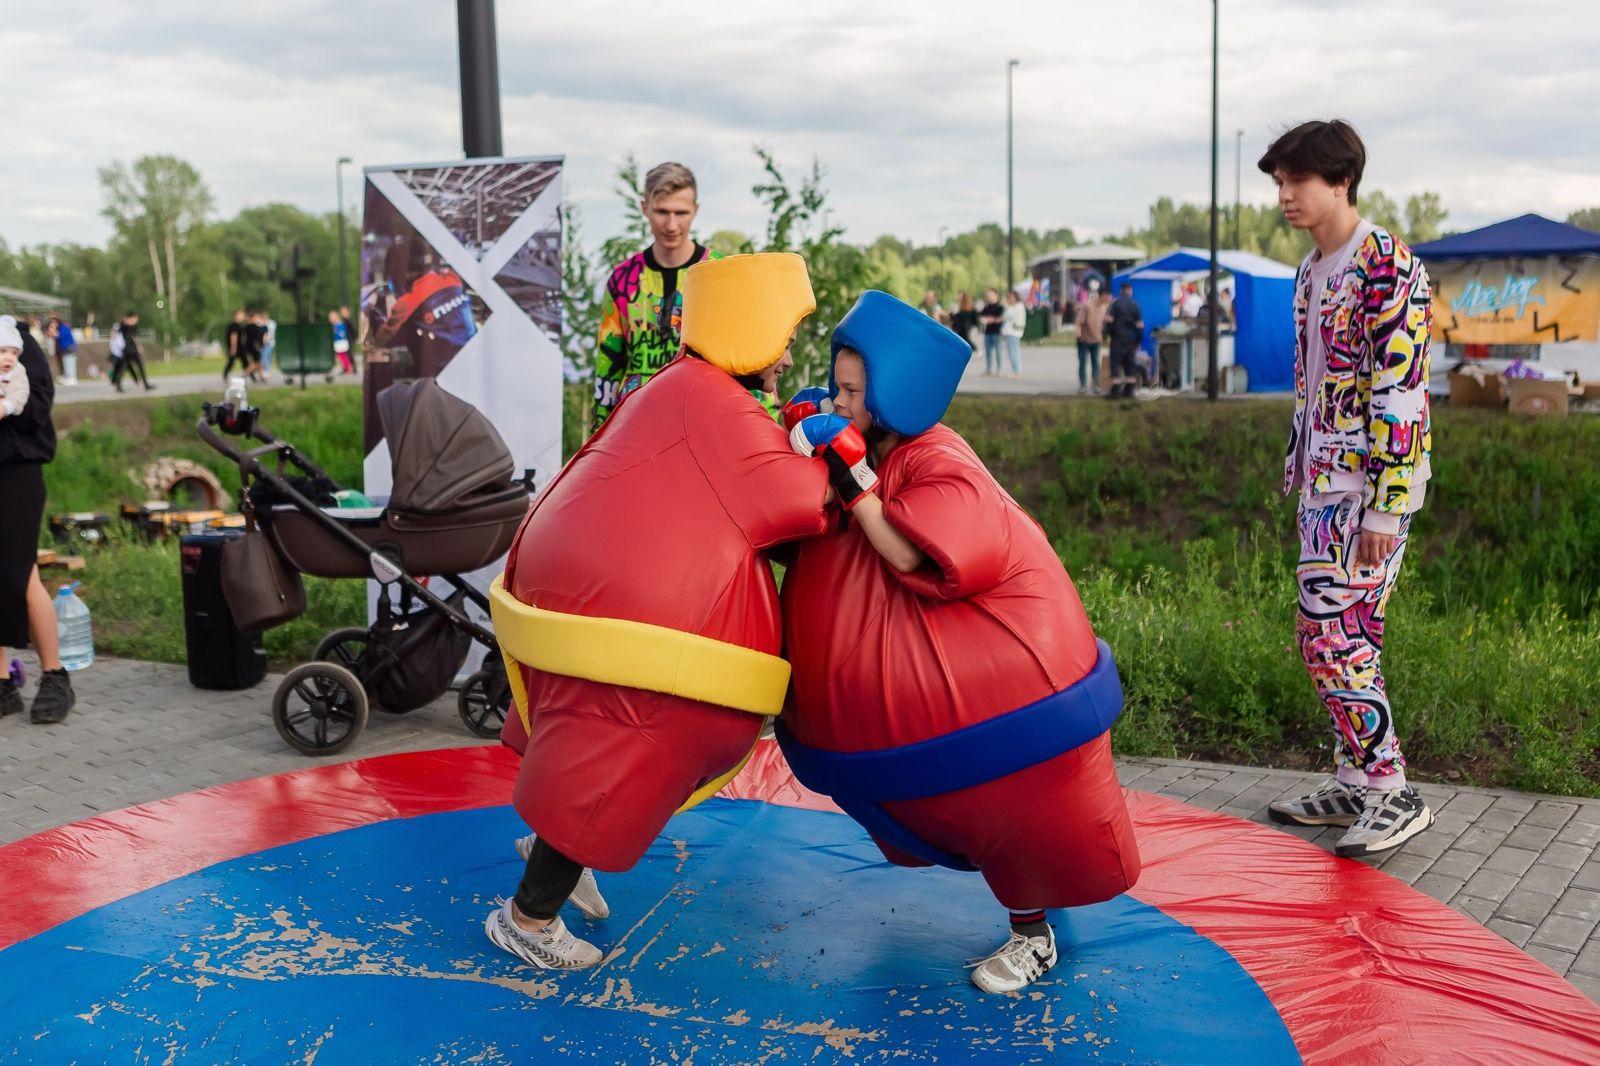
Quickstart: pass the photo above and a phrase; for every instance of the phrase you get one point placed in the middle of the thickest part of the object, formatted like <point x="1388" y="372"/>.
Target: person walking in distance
<point x="1359" y="461"/>
<point x="1124" y="324"/>
<point x="233" y="345"/>
<point x="1013" y="323"/>
<point x="131" y="363"/>
<point x="990" y="317"/>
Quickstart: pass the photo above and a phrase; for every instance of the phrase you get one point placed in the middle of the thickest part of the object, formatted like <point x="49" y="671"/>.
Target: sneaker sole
<point x="1285" y="818"/>
<point x="1356" y="851"/>
<point x="491" y="928"/>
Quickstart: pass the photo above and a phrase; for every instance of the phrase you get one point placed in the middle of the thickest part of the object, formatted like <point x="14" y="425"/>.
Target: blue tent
<point x="1263" y="307"/>
<point x="1525" y="235"/>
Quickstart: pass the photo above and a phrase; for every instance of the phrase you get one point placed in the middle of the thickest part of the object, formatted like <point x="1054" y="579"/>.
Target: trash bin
<point x="220" y="656"/>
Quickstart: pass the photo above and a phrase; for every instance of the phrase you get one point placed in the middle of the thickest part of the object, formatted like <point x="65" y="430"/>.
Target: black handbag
<point x="261" y="589"/>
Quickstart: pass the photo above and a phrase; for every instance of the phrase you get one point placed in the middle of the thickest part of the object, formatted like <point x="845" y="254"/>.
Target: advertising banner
<point x="1516" y="301"/>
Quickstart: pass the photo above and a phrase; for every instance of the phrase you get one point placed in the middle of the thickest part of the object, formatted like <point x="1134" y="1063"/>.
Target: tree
<point x="839" y="271"/>
<point x="1425" y="216"/>
<point x="156" y="202"/>
<point x="1585" y="218"/>
<point x="581" y="295"/>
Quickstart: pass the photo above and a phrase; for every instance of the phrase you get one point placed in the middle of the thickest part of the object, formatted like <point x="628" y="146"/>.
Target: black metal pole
<point x="1211" y="297"/>
<point x="1011" y="278"/>
<point x="480" y="78"/>
<point x="1238" y="167"/>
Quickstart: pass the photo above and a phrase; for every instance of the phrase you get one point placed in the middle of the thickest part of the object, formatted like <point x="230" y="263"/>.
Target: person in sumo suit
<point x="638" y="613"/>
<point x="948" y="693"/>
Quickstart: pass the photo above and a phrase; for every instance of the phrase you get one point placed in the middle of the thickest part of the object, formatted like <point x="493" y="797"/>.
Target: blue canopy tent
<point x="1525" y="235"/>
<point x="1263" y="307"/>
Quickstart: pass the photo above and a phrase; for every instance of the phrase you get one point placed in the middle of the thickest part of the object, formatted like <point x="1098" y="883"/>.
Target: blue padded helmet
<point x="913" y="363"/>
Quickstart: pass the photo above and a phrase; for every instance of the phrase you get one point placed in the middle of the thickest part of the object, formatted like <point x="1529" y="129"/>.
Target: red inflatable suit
<point x="661" y="518"/>
<point x="990" y="623"/>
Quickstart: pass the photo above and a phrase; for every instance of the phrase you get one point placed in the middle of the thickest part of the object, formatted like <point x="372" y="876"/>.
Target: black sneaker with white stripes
<point x="1335" y="803"/>
<point x="1390" y="818"/>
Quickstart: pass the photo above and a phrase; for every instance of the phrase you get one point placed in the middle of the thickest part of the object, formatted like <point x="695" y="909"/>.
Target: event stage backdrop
<point x="1516" y="301"/>
<point x="461" y="281"/>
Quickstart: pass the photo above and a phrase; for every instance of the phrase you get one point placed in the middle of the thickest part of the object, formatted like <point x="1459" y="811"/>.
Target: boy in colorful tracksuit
<point x="1359" y="458"/>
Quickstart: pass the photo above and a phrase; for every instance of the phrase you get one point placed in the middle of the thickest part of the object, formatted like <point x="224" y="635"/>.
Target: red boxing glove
<point x="805" y="403"/>
<point x="836" y="440"/>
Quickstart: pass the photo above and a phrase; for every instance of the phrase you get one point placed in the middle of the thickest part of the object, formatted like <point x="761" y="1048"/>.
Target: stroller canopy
<point x="445" y="454"/>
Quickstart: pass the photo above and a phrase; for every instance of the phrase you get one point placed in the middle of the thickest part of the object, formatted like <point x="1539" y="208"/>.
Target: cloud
<point x="903" y="102"/>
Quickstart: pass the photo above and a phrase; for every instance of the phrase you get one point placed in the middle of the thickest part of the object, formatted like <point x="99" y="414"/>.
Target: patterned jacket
<point x="1368" y="427"/>
<point x="639" y="326"/>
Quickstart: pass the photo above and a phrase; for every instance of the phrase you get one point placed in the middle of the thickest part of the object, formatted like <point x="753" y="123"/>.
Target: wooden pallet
<point x="49" y="558"/>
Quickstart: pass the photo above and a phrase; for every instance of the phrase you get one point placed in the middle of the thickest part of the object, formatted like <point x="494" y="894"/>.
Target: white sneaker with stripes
<point x="1018" y="963"/>
<point x="1335" y="803"/>
<point x="1390" y="818"/>
<point x="551" y="948"/>
<point x="586" y="897"/>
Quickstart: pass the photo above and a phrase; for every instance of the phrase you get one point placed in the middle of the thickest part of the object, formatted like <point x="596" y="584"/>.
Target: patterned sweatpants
<point x="1340" y="632"/>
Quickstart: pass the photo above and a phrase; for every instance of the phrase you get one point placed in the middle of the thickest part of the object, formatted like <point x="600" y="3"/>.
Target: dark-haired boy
<point x="1358" y="456"/>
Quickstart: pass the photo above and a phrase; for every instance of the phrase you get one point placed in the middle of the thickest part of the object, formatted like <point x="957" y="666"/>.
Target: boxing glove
<point x="804" y="404"/>
<point x="836" y="441"/>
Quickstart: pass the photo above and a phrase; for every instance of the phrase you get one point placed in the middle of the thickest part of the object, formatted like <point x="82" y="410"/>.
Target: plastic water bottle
<point x="237" y="396"/>
<point x="72" y="626"/>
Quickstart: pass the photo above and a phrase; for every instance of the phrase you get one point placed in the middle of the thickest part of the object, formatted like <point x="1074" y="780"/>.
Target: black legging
<point x="547" y="881"/>
<point x="22" y="490"/>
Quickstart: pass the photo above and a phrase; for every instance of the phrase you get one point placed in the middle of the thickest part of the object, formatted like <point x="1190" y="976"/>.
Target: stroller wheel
<point x="345" y="647"/>
<point x="485" y="698"/>
<point x="319" y="708"/>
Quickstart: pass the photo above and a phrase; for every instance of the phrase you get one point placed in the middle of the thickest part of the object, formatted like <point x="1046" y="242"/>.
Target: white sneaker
<point x="1019" y="963"/>
<point x="1333" y="803"/>
<point x="1389" y="818"/>
<point x="586" y="897"/>
<point x="551" y="948"/>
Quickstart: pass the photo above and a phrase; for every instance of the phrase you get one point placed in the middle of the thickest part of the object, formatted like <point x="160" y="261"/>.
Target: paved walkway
<point x="88" y="390"/>
<point x="1527" y="866"/>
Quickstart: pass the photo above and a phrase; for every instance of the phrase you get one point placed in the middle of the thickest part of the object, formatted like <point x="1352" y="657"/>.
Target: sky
<point x="1493" y="105"/>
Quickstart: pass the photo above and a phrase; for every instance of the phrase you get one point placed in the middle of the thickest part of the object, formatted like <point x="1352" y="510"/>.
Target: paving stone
<point x="1516" y="932"/>
<point x="1470" y="804"/>
<point x="1588" y="960"/>
<point x="1511" y="801"/>
<point x="1527" y="906"/>
<point x="1588" y="984"/>
<point x="1462" y="864"/>
<point x="1564" y="932"/>
<point x="1579" y="903"/>
<point x="1542" y="877"/>
<point x="1406" y="866"/>
<point x="1509" y="860"/>
<point x="1474" y="907"/>
<point x="1498" y="817"/>
<point x="1583" y="834"/>
<point x="1567" y="856"/>
<point x="1489" y="884"/>
<point x="1481" y="840"/>
<point x="1558" y="960"/>
<point x="1550" y="813"/>
<point x="1588" y="876"/>
<point x="1439" y="887"/>
<point x="1534" y="837"/>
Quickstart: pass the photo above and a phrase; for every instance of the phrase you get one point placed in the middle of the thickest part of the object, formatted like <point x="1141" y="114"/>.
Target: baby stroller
<point x="455" y="508"/>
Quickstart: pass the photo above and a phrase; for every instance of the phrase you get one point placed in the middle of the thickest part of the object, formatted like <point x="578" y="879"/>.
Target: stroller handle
<point x="216" y="415"/>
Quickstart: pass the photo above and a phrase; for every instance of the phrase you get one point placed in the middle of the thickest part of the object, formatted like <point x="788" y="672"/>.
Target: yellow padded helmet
<point x="739" y="312"/>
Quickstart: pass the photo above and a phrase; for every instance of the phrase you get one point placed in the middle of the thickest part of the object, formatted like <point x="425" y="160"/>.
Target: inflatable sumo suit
<point x="638" y="613"/>
<point x="959" y="712"/>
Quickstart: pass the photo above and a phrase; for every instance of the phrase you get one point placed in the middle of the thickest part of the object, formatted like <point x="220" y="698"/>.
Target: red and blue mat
<point x="335" y="914"/>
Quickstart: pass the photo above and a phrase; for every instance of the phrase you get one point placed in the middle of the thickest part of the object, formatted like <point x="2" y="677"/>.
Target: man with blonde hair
<point x="643" y="311"/>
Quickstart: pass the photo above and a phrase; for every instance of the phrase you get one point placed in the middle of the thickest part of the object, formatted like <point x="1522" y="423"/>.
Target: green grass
<point x="194" y="364"/>
<point x="1169" y="517"/>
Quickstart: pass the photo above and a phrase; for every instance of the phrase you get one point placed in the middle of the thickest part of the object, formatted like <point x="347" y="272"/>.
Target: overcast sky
<point x="1495" y="105"/>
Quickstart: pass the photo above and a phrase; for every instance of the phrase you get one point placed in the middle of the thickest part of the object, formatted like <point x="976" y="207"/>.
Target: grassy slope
<point x="1168" y="516"/>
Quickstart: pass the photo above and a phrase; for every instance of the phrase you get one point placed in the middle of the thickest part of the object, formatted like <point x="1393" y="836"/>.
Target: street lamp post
<point x="1212" y="332"/>
<point x="480" y="78"/>
<point x="338" y="179"/>
<point x="1011" y="65"/>
<point x="1238" y="168"/>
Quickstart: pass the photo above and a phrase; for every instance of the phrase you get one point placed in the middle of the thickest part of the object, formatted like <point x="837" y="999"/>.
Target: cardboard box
<point x="1532" y="396"/>
<point x="1591" y="391"/>
<point x="1476" y="389"/>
